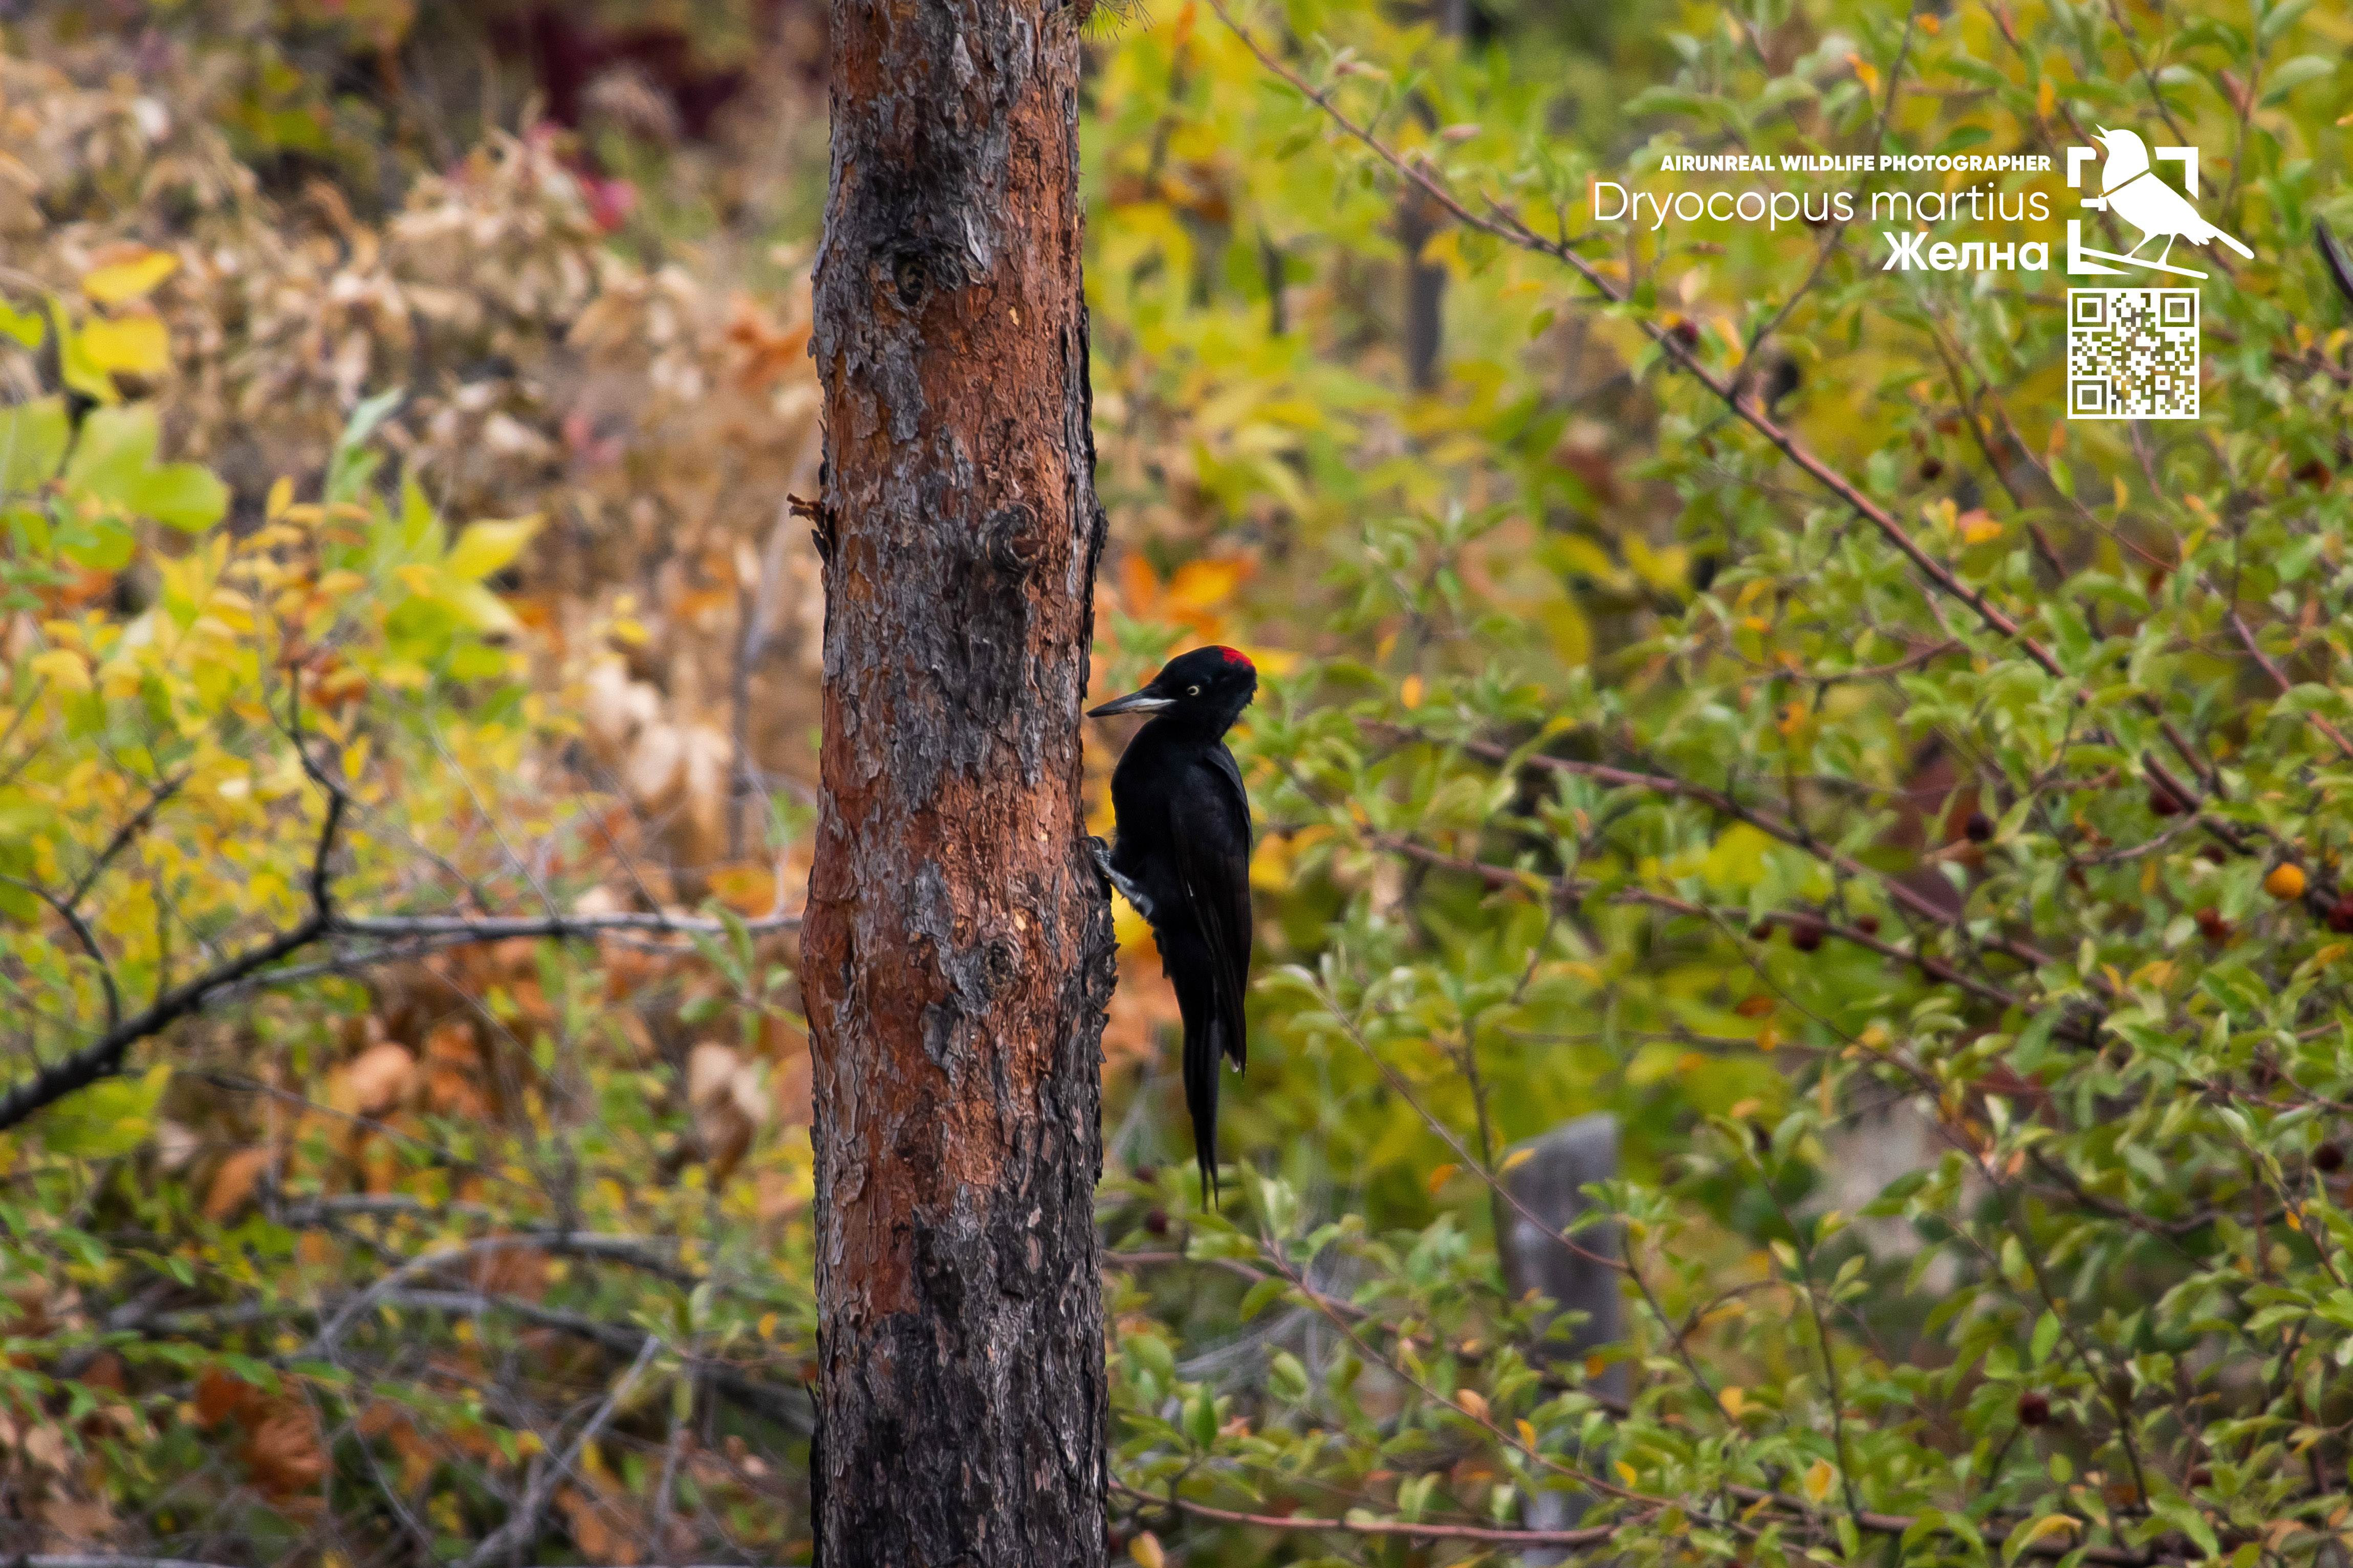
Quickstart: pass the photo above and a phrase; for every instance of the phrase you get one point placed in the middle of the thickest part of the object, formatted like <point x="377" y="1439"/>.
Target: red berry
<point x="1805" y="934"/>
<point x="2328" y="1159"/>
<point x="1979" y="827"/>
<point x="2033" y="1408"/>
<point x="1867" y="924"/>
<point x="1156" y="1222"/>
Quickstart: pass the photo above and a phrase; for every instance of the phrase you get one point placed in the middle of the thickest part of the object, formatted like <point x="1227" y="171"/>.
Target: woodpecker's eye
<point x="1192" y="691"/>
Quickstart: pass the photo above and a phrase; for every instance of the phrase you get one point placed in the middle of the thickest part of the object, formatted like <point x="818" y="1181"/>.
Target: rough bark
<point x="957" y="953"/>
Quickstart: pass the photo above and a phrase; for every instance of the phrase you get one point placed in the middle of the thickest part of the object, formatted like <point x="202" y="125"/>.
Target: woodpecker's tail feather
<point x="1201" y="1100"/>
<point x="1214" y="1027"/>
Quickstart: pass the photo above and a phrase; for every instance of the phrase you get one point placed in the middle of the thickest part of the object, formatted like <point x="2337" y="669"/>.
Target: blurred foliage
<point x="1969" y="997"/>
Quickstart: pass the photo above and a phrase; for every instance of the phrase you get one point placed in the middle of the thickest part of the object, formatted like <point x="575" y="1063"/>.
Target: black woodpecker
<point x="1183" y="860"/>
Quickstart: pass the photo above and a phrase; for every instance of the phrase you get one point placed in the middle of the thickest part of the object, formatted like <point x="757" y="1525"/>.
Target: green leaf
<point x="114" y="461"/>
<point x="2289" y="74"/>
<point x="185" y="496"/>
<point x="116" y="446"/>
<point x="1201" y="1419"/>
<point x="33" y="440"/>
<point x="111" y="1117"/>
<point x="1286" y="1379"/>
<point x="2046" y="1334"/>
<point x="352" y="465"/>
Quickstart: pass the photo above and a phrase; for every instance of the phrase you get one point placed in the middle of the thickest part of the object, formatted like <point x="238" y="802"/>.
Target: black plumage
<point x="1183" y="859"/>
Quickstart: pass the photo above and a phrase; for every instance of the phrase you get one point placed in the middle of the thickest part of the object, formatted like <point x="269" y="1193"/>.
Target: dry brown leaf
<point x="284" y="1455"/>
<point x="588" y="1520"/>
<point x="517" y="1271"/>
<point x="381" y="1079"/>
<point x="221" y="1396"/>
<point x="234" y="1182"/>
<point x="709" y="1067"/>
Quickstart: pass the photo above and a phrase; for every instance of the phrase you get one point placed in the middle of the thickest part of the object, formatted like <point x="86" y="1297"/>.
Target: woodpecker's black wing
<point x="1206" y="943"/>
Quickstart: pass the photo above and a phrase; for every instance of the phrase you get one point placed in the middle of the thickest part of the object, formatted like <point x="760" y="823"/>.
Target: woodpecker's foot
<point x="1127" y="889"/>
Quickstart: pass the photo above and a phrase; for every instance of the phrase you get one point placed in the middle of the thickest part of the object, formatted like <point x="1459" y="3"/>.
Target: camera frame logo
<point x="2132" y="353"/>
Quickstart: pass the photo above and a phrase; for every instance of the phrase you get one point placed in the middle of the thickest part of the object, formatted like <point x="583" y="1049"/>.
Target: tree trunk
<point x="958" y="952"/>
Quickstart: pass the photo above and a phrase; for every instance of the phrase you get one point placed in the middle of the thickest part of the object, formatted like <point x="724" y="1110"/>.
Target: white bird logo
<point x="2147" y="203"/>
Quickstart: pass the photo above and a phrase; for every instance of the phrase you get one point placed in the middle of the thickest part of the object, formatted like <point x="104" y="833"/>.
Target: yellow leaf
<point x="1409" y="692"/>
<point x="63" y="665"/>
<point x="1516" y="1159"/>
<point x="1145" y="1550"/>
<point x="1977" y="528"/>
<point x="135" y="346"/>
<point x="1442" y="1174"/>
<point x="1817" y="1480"/>
<point x="1733" y="1399"/>
<point x="127" y="280"/>
<point x="485" y="547"/>
<point x="1627" y="1473"/>
<point x="282" y="496"/>
<point x="1527" y="1432"/>
<point x="1473" y="1402"/>
<point x="2046" y="99"/>
<point x="1205" y="584"/>
<point x="1271" y="660"/>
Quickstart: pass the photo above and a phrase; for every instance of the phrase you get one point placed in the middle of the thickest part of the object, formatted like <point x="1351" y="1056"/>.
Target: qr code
<point x="2132" y="353"/>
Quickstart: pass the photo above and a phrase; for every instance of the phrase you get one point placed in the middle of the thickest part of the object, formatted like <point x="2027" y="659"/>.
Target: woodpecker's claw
<point x="1127" y="890"/>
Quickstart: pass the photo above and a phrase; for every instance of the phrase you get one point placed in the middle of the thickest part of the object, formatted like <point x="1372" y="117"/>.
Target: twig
<point x="523" y="1527"/>
<point x="130" y="830"/>
<point x="1590" y="1535"/>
